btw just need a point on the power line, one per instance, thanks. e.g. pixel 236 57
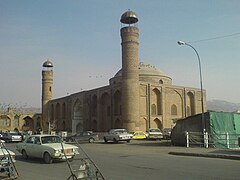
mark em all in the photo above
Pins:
pixel 214 38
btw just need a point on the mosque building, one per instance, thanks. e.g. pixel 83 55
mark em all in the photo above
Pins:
pixel 138 97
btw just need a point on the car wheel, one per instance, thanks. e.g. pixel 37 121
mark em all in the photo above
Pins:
pixel 128 141
pixel 24 154
pixel 105 140
pixel 91 140
pixel 47 158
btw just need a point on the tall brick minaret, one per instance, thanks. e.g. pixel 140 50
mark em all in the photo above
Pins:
pixel 47 82
pixel 130 71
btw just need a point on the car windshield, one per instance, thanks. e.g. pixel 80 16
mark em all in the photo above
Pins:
pixel 154 130
pixel 13 134
pixel 50 139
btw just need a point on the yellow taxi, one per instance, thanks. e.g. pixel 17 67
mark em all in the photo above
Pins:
pixel 138 135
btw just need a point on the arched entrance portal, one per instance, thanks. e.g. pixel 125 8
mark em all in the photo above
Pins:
pixel 77 122
pixel 28 124
pixel 105 112
pixel 158 124
pixel 79 127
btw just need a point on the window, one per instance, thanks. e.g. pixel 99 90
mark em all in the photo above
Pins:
pixel 174 110
pixel 30 140
pixel 36 140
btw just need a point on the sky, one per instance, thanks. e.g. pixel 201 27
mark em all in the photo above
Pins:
pixel 82 39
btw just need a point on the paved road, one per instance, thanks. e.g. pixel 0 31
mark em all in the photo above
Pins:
pixel 135 160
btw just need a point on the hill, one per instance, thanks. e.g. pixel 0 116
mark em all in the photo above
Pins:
pixel 224 106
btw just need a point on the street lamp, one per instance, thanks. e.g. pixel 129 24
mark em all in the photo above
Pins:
pixel 200 74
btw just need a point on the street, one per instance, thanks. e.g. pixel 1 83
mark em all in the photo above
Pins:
pixel 134 160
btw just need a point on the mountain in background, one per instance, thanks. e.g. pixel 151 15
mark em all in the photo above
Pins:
pixel 222 106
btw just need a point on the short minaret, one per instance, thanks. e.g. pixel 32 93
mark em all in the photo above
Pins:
pixel 130 71
pixel 47 82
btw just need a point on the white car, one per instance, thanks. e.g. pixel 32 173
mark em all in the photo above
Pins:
pixel 117 135
pixel 48 147
pixel 154 133
pixel 12 137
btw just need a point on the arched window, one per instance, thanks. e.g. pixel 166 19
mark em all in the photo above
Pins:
pixel 174 110
pixel 157 100
pixel 160 81
pixel 158 124
pixel 190 104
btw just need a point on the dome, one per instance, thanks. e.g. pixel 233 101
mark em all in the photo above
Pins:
pixel 145 70
pixel 129 17
pixel 47 64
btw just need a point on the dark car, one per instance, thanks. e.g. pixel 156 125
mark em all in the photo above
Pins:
pixel 86 136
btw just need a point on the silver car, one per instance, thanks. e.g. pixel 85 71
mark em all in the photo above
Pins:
pixel 48 147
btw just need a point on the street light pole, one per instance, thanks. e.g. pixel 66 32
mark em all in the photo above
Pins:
pixel 200 74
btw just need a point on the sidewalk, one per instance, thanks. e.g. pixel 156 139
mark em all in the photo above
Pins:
pixel 233 154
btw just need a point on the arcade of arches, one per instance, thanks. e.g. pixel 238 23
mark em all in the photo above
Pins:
pixel 17 121
pixel 100 109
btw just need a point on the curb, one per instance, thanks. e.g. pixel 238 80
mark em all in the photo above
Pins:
pixel 208 155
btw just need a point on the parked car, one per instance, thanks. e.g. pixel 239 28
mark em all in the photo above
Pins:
pixel 117 135
pixel 139 135
pixel 167 133
pixel 154 133
pixel 48 147
pixel 86 136
pixel 12 137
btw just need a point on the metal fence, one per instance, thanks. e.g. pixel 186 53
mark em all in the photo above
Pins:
pixel 224 140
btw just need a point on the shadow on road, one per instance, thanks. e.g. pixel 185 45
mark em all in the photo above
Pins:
pixel 150 143
pixel 34 160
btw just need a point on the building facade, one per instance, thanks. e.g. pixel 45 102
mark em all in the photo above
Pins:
pixel 14 120
pixel 138 97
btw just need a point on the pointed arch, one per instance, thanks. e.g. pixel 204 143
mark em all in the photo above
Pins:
pixel 157 100
pixel 176 99
pixel 77 124
pixel 5 121
pixel 105 112
pixel 158 123
pixel 28 124
pixel 190 104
